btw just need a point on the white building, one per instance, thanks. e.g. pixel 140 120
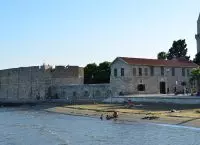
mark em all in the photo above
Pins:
pixel 149 76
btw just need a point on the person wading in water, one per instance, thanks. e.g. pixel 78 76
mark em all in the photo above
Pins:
pixel 101 117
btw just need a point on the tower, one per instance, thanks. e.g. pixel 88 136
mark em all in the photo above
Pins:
pixel 197 36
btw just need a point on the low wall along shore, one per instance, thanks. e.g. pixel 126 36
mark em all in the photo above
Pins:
pixel 81 92
pixel 64 93
pixel 156 99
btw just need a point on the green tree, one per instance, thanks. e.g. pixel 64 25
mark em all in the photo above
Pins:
pixel 103 73
pixel 178 50
pixel 94 74
pixel 162 55
pixel 195 76
pixel 197 58
pixel 89 73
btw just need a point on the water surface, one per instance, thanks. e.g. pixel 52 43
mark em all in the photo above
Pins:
pixel 35 127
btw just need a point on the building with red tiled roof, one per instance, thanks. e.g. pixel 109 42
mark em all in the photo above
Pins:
pixel 159 62
pixel 149 76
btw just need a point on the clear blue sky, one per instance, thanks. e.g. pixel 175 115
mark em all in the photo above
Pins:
pixel 78 32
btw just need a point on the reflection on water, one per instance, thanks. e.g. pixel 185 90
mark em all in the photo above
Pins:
pixel 28 127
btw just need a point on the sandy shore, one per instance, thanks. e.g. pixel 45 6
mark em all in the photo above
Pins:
pixel 180 115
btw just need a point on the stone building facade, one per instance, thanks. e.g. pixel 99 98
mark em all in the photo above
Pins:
pixel 149 76
pixel 33 83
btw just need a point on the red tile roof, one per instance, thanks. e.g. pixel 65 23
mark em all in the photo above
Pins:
pixel 159 62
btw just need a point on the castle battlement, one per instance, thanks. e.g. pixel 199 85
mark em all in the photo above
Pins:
pixel 31 82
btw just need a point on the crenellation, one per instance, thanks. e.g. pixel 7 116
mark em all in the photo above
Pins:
pixel 35 69
pixel 32 82
pixel 59 68
pixel 67 72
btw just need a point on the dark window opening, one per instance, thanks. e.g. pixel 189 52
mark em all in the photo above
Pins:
pixel 141 87
pixel 183 71
pixel 162 70
pixel 115 72
pixel 173 71
pixel 122 71
pixel 140 71
pixel 162 88
pixel 121 93
pixel 152 70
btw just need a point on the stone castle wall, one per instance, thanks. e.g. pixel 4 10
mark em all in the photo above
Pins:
pixel 81 92
pixel 32 83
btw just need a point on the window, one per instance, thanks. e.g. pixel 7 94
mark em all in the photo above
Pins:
pixel 183 71
pixel 152 70
pixel 115 72
pixel 173 71
pixel 188 72
pixel 141 87
pixel 162 71
pixel 140 71
pixel 134 71
pixel 146 71
pixel 122 71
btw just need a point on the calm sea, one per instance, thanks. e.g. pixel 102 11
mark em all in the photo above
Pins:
pixel 35 127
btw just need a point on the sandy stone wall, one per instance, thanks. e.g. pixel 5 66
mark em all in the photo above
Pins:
pixel 32 83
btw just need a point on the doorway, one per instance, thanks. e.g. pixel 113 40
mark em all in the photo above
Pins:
pixel 162 88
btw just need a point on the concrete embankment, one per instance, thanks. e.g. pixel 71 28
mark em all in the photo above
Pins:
pixel 155 99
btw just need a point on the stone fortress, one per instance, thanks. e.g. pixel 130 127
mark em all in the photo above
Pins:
pixel 29 83
pixel 40 83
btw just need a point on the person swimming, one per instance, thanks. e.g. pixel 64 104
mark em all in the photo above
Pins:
pixel 108 117
pixel 101 117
